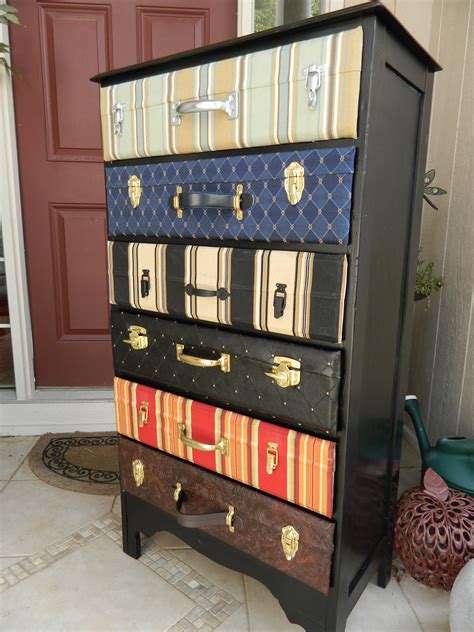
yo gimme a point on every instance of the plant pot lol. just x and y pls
(420, 297)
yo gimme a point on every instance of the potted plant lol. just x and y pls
(426, 282)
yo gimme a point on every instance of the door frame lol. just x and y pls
(24, 409)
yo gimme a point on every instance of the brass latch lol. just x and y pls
(138, 338)
(134, 191)
(272, 457)
(294, 182)
(138, 472)
(143, 414)
(177, 201)
(289, 541)
(285, 372)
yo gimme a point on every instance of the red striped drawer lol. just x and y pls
(290, 465)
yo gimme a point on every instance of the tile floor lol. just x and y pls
(62, 569)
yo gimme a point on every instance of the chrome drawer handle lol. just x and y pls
(230, 106)
(117, 113)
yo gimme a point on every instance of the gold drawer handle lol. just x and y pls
(204, 363)
(221, 446)
(286, 372)
(138, 338)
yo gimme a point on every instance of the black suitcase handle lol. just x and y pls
(221, 293)
(237, 202)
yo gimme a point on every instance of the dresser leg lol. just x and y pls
(130, 532)
(384, 572)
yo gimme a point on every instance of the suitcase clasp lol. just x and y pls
(286, 372)
(279, 300)
(117, 113)
(294, 182)
(134, 191)
(272, 457)
(138, 472)
(138, 338)
(290, 540)
(312, 83)
(143, 414)
(145, 283)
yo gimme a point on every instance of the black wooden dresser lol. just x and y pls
(264, 199)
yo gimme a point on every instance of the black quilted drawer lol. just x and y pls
(266, 377)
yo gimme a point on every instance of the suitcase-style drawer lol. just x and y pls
(298, 196)
(291, 465)
(298, 294)
(304, 91)
(264, 376)
(291, 540)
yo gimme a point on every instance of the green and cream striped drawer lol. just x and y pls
(299, 92)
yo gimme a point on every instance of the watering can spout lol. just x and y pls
(413, 410)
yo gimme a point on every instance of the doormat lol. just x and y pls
(79, 461)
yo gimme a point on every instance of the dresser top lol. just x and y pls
(269, 38)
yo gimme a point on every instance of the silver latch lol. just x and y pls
(117, 111)
(312, 83)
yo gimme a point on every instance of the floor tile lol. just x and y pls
(265, 613)
(431, 605)
(3, 484)
(382, 609)
(12, 452)
(237, 622)
(8, 561)
(117, 507)
(33, 515)
(167, 540)
(24, 473)
(220, 575)
(120, 593)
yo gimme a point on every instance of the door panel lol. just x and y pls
(58, 47)
(162, 32)
(73, 42)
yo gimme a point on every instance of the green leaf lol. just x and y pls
(4, 48)
(12, 18)
(3, 19)
(7, 8)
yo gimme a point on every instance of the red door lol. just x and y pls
(57, 48)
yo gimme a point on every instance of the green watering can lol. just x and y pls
(452, 457)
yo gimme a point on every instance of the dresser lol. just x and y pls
(264, 204)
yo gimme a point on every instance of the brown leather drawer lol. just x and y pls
(260, 523)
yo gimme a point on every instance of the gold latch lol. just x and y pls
(294, 182)
(138, 338)
(178, 490)
(272, 457)
(138, 472)
(285, 372)
(177, 201)
(134, 191)
(289, 541)
(143, 414)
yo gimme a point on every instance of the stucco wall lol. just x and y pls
(442, 362)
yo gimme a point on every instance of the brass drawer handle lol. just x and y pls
(221, 446)
(204, 363)
(138, 338)
(285, 372)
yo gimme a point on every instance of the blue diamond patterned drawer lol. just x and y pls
(294, 196)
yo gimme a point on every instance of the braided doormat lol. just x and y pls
(79, 461)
